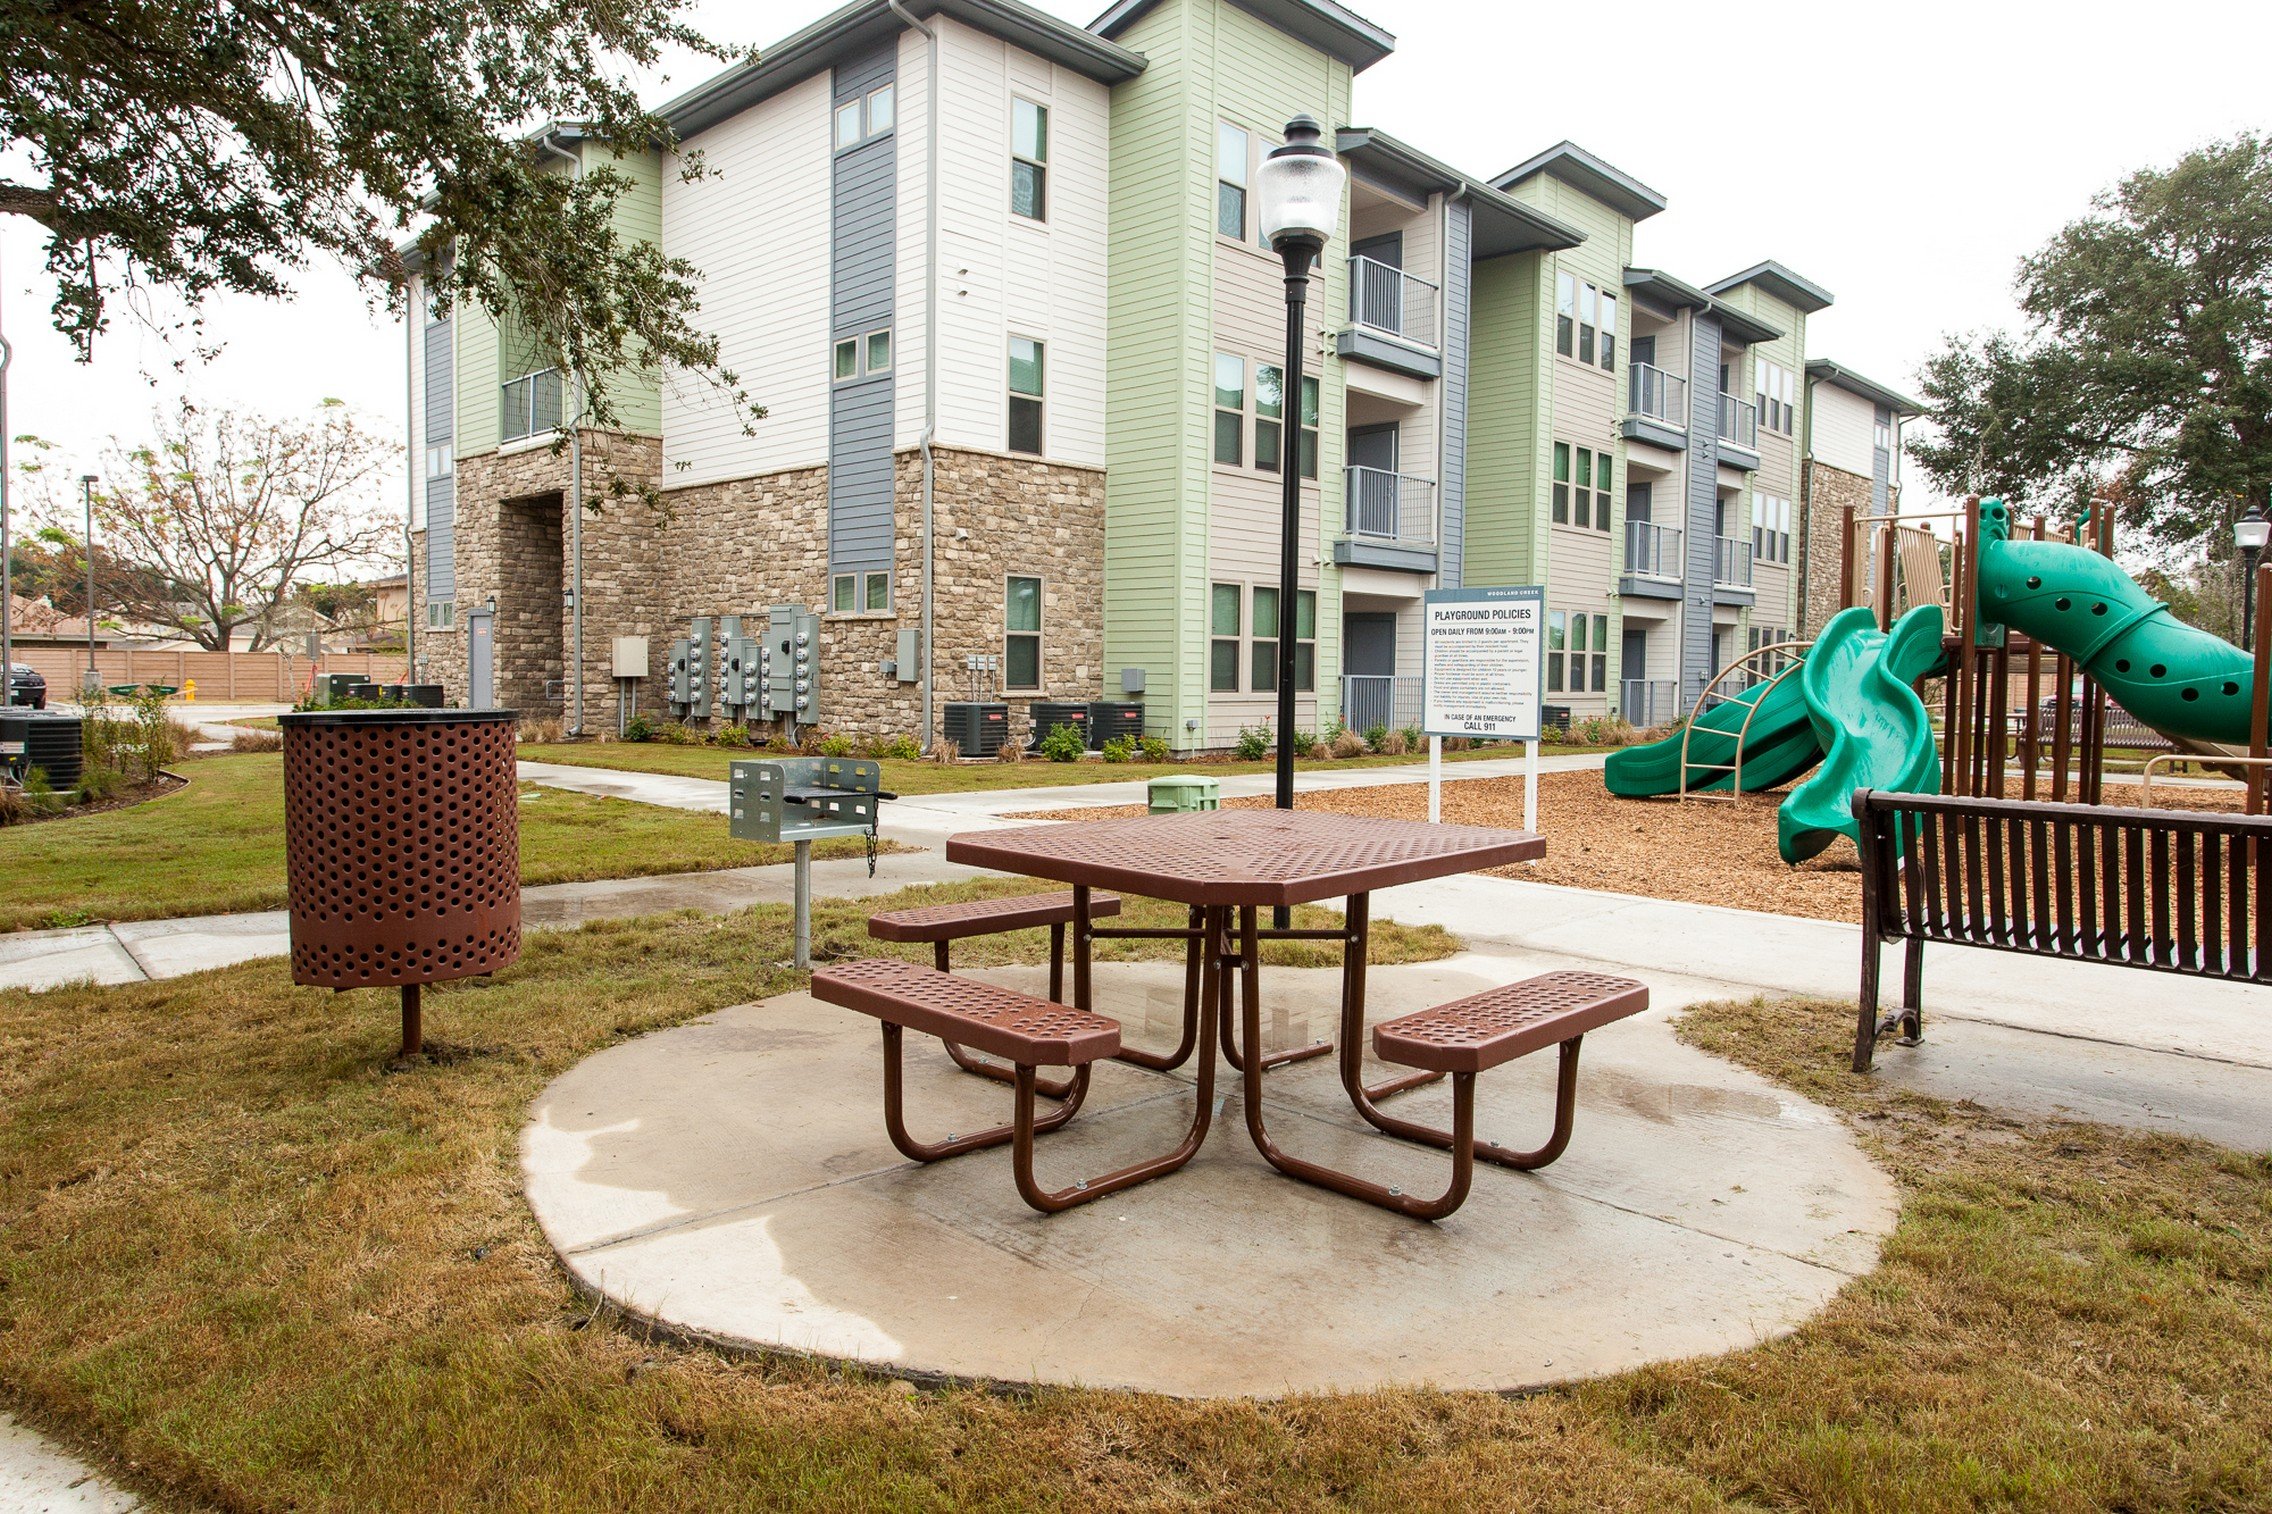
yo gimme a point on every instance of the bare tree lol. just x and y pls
(214, 525)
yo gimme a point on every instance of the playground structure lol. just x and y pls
(2043, 647)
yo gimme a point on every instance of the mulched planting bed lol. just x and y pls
(1698, 851)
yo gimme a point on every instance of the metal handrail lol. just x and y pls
(1655, 393)
(1362, 504)
(1374, 285)
(1739, 422)
(1688, 727)
(2146, 773)
(1661, 562)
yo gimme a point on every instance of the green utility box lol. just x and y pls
(1172, 796)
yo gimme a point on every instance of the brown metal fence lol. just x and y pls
(262, 677)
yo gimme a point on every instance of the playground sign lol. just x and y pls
(1482, 663)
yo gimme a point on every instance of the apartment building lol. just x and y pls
(1000, 284)
(1851, 461)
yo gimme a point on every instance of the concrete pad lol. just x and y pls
(169, 948)
(732, 1176)
(703, 796)
(38, 1477)
(37, 959)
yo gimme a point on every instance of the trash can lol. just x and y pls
(1174, 795)
(402, 848)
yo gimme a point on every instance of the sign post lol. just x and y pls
(1482, 666)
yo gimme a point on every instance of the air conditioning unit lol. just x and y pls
(1048, 716)
(978, 730)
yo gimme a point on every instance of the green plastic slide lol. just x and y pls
(2181, 681)
(1859, 687)
(1779, 745)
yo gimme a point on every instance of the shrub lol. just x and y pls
(13, 810)
(1329, 736)
(252, 739)
(1348, 744)
(1600, 730)
(1063, 744)
(1415, 739)
(97, 784)
(677, 733)
(1119, 749)
(836, 746)
(895, 748)
(639, 728)
(1376, 738)
(944, 751)
(730, 735)
(1393, 744)
(1305, 744)
(39, 794)
(541, 730)
(1012, 752)
(1253, 743)
(1155, 748)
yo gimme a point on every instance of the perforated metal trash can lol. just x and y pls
(1173, 795)
(402, 844)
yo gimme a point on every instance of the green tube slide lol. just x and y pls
(1858, 684)
(2181, 681)
(1779, 745)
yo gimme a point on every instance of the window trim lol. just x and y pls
(1571, 626)
(1235, 639)
(1039, 633)
(442, 614)
(1245, 185)
(1012, 395)
(1040, 164)
(1255, 641)
(1243, 411)
(868, 365)
(1579, 496)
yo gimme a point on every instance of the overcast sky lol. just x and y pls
(1905, 164)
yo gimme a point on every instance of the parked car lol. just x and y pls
(26, 686)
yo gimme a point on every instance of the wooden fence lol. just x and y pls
(221, 677)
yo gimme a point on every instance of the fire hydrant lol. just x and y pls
(189, 690)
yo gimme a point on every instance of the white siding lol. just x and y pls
(1843, 429)
(1001, 274)
(758, 228)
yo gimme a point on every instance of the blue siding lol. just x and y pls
(1881, 470)
(441, 493)
(863, 247)
(1703, 500)
(1459, 274)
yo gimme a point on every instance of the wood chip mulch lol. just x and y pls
(1697, 851)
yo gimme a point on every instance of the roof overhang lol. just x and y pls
(1801, 294)
(863, 24)
(1681, 295)
(1824, 371)
(1745, 327)
(1500, 223)
(1332, 29)
(1581, 170)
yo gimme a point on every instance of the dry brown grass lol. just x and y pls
(239, 1251)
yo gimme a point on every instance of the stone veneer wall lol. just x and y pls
(1826, 492)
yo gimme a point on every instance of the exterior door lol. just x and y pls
(1373, 486)
(1633, 678)
(481, 660)
(1368, 655)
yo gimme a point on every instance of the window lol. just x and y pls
(1305, 642)
(1585, 322)
(1770, 528)
(1588, 315)
(858, 120)
(1262, 651)
(1775, 392)
(1582, 481)
(855, 593)
(441, 615)
(1029, 160)
(1223, 647)
(879, 350)
(1309, 428)
(1882, 435)
(1775, 662)
(843, 596)
(879, 591)
(861, 356)
(847, 124)
(1027, 361)
(1577, 652)
(1608, 331)
(1231, 151)
(1269, 418)
(1230, 409)
(439, 461)
(848, 359)
(879, 111)
(1566, 314)
(435, 313)
(1021, 640)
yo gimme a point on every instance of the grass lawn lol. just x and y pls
(253, 1266)
(959, 778)
(217, 846)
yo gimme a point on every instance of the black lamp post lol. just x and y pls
(1298, 188)
(87, 497)
(2250, 533)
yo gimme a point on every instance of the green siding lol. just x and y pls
(638, 218)
(1506, 465)
(477, 380)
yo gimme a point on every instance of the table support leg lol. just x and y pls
(895, 1123)
(803, 870)
(1249, 960)
(1355, 966)
(970, 1063)
(1195, 953)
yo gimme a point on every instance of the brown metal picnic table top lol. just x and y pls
(1223, 858)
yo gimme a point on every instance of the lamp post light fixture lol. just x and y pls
(2250, 533)
(1298, 189)
(87, 498)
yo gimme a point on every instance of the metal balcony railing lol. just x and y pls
(1731, 562)
(1368, 701)
(529, 405)
(1652, 551)
(1385, 298)
(1647, 702)
(1739, 422)
(1393, 509)
(1659, 395)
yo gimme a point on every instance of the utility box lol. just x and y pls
(907, 656)
(978, 730)
(788, 665)
(1048, 717)
(630, 660)
(735, 653)
(1109, 718)
(1177, 793)
(690, 672)
(804, 798)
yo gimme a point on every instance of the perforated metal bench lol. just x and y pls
(1026, 1031)
(944, 924)
(1475, 1034)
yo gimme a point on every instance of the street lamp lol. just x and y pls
(1299, 191)
(87, 498)
(2250, 533)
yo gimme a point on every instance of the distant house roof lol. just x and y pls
(1332, 29)
(863, 24)
(1823, 370)
(1740, 324)
(37, 620)
(1800, 293)
(1581, 170)
(1502, 223)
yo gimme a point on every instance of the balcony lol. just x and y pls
(1649, 702)
(529, 405)
(1656, 407)
(1731, 570)
(1654, 566)
(1739, 431)
(1393, 319)
(1390, 521)
(1370, 701)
